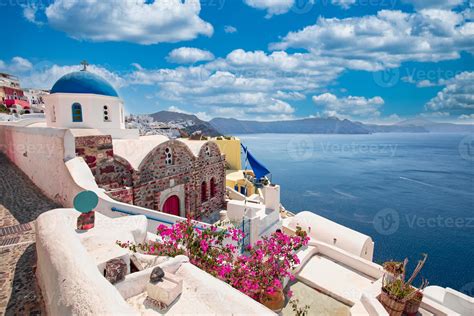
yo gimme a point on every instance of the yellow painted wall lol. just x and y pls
(241, 183)
(231, 149)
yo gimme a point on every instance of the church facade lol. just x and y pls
(177, 176)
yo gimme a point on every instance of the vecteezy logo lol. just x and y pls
(302, 6)
(387, 78)
(300, 148)
(466, 148)
(386, 221)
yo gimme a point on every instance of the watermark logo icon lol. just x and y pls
(386, 221)
(300, 148)
(387, 78)
(466, 148)
(302, 6)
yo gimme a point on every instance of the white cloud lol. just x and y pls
(273, 7)
(425, 83)
(256, 83)
(230, 29)
(174, 108)
(434, 114)
(417, 4)
(387, 39)
(457, 97)
(138, 21)
(467, 117)
(43, 75)
(348, 107)
(243, 71)
(443, 4)
(383, 120)
(17, 66)
(345, 4)
(30, 9)
(189, 55)
(291, 95)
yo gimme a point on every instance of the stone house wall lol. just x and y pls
(155, 180)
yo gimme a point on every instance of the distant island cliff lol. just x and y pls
(330, 125)
(334, 125)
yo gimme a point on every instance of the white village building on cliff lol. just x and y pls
(143, 182)
(179, 177)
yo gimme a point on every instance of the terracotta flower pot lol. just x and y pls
(274, 301)
(392, 305)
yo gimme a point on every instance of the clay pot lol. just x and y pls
(392, 305)
(274, 301)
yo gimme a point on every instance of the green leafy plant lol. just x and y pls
(400, 289)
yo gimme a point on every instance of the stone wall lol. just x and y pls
(210, 167)
(111, 172)
(144, 187)
(124, 195)
(155, 176)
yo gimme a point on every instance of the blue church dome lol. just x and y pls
(83, 82)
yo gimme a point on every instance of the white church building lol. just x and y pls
(82, 99)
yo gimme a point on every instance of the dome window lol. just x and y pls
(106, 114)
(208, 151)
(77, 112)
(168, 156)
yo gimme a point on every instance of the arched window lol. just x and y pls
(168, 156)
(203, 192)
(76, 112)
(106, 114)
(213, 187)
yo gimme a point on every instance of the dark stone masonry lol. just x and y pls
(20, 204)
(169, 169)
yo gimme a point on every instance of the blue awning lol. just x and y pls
(259, 169)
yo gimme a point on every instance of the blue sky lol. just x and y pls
(370, 60)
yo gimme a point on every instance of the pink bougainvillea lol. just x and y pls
(260, 270)
(266, 265)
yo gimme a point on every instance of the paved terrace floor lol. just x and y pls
(20, 204)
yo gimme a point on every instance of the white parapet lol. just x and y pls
(454, 301)
(236, 210)
(332, 233)
(271, 195)
(72, 284)
(68, 276)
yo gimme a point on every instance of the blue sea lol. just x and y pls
(412, 193)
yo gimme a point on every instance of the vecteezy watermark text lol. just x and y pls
(388, 221)
(303, 147)
(360, 148)
(439, 221)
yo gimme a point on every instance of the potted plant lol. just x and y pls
(396, 291)
(412, 305)
(393, 269)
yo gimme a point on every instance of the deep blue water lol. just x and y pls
(412, 193)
